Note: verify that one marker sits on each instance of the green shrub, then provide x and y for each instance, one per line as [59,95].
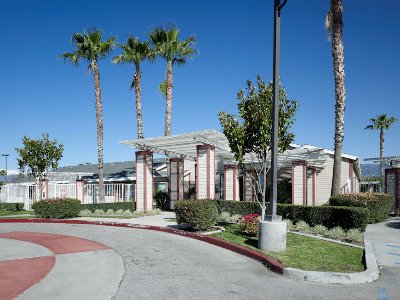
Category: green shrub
[127,212]
[302,226]
[197,214]
[153,212]
[110,212]
[113,205]
[16,206]
[335,233]
[162,199]
[379,205]
[59,208]
[226,217]
[354,235]
[329,216]
[98,212]
[137,213]
[319,229]
[249,224]
[290,225]
[119,212]
[85,213]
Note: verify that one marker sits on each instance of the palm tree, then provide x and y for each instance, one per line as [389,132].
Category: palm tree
[167,45]
[381,123]
[89,46]
[334,26]
[135,51]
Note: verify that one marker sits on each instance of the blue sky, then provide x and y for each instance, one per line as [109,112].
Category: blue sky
[39,93]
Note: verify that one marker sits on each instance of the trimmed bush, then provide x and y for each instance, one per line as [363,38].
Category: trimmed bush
[321,229]
[197,214]
[119,212]
[329,216]
[379,205]
[354,235]
[162,199]
[290,225]
[106,206]
[98,212]
[335,233]
[110,212]
[59,208]
[16,206]
[302,226]
[249,224]
[85,213]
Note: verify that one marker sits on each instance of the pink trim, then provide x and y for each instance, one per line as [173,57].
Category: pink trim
[145,182]
[234,184]
[292,183]
[272,263]
[314,175]
[196,179]
[208,173]
[214,172]
[136,181]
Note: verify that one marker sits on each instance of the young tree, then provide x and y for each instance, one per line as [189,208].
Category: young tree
[38,156]
[250,133]
[381,123]
[135,51]
[167,45]
[89,46]
[334,26]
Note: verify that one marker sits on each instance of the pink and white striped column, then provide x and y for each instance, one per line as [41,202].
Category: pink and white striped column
[80,190]
[299,182]
[249,187]
[144,180]
[231,182]
[205,172]
[176,184]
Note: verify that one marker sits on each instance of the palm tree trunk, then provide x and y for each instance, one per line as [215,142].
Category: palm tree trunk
[168,98]
[99,118]
[340,91]
[138,93]
[381,146]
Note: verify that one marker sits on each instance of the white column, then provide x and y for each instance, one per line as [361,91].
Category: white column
[249,188]
[299,182]
[176,181]
[231,182]
[79,190]
[205,172]
[144,180]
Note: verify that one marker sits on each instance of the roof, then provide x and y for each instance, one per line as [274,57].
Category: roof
[184,145]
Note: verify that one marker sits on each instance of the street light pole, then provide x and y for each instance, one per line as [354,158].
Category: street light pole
[275,110]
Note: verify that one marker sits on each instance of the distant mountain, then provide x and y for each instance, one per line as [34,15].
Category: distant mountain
[370,170]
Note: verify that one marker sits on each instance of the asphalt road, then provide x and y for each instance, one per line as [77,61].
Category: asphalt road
[165,266]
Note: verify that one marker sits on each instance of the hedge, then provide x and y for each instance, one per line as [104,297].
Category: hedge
[329,216]
[197,214]
[106,206]
[17,206]
[58,208]
[379,205]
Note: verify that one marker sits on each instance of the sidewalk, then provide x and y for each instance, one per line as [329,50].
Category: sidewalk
[165,219]
[385,239]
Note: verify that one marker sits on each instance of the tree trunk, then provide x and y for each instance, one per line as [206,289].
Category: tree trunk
[168,99]
[138,93]
[381,146]
[99,118]
[340,91]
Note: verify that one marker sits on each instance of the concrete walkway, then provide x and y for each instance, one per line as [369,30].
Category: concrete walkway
[385,238]
[165,219]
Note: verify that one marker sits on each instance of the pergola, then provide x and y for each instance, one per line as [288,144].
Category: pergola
[208,152]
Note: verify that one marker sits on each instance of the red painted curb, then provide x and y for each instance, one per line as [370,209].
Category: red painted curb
[270,262]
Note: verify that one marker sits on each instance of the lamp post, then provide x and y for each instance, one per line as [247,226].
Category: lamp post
[6,156]
[272,231]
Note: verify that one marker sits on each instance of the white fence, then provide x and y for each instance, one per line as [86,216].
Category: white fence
[86,193]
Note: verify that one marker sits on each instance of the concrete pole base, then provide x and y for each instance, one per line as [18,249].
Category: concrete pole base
[272,235]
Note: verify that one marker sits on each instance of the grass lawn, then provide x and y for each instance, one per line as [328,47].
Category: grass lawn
[15,213]
[305,253]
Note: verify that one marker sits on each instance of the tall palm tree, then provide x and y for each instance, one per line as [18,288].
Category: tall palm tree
[89,46]
[381,123]
[135,51]
[334,26]
[167,45]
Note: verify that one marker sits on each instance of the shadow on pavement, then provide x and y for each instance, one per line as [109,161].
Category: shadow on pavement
[395,224]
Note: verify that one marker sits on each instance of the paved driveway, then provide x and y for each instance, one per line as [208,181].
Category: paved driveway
[164,266]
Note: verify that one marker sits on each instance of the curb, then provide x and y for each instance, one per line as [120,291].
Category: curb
[270,262]
[369,275]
